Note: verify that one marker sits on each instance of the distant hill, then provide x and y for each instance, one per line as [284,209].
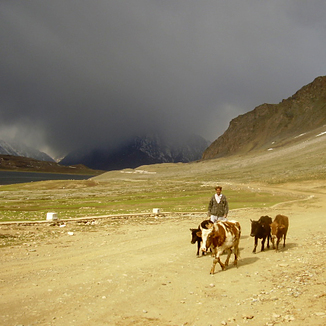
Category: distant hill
[150,149]
[17,149]
[20,163]
[274,125]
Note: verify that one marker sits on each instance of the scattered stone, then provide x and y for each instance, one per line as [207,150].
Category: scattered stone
[320,314]
[248,316]
[289,318]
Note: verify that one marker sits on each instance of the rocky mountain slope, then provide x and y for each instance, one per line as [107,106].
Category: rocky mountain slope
[20,163]
[274,125]
[149,149]
[17,149]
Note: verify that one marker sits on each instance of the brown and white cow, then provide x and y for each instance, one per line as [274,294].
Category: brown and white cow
[219,237]
[279,229]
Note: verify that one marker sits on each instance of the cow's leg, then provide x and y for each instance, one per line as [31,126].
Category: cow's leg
[236,254]
[263,243]
[268,237]
[229,252]
[256,241]
[273,242]
[284,240]
[277,243]
[198,247]
[217,260]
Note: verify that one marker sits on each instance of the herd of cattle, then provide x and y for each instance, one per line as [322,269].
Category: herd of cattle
[225,236]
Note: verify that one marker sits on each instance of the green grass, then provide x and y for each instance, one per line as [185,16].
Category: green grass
[70,199]
[180,187]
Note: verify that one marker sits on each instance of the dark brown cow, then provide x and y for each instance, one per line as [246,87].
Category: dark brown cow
[220,236]
[195,238]
[279,229]
[261,230]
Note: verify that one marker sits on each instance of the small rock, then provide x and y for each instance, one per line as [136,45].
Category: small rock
[289,318]
[320,314]
[248,316]
[283,265]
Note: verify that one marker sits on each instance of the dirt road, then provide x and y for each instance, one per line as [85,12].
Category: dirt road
[144,271]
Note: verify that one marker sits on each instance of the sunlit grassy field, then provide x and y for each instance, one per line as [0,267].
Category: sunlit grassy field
[171,187]
[71,199]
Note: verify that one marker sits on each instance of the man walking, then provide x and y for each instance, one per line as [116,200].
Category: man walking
[218,207]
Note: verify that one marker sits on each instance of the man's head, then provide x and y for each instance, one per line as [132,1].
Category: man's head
[218,190]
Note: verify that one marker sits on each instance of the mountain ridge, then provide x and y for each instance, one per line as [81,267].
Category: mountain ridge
[15,148]
[141,150]
[27,164]
[270,124]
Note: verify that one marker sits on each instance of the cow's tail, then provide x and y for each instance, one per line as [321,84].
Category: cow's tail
[238,249]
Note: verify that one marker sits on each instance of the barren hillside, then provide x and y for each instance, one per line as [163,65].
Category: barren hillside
[268,124]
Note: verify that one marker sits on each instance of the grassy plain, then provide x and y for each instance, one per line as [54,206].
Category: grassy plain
[142,269]
[170,187]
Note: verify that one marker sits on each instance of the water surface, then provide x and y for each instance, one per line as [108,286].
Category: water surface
[12,177]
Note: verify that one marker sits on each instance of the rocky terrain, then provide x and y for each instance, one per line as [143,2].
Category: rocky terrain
[15,148]
[151,148]
[274,125]
[142,270]
[20,163]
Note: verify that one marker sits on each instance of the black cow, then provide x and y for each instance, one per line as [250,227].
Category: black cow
[195,236]
[261,230]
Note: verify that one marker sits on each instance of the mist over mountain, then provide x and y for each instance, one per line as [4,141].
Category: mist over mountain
[149,149]
[267,127]
[274,125]
[18,149]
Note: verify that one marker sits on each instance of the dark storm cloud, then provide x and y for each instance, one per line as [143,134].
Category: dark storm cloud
[78,73]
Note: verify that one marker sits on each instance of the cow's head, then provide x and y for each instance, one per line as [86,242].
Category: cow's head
[276,228]
[206,228]
[254,228]
[194,235]
[265,221]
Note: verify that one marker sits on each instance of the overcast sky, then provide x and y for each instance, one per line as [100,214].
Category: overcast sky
[82,73]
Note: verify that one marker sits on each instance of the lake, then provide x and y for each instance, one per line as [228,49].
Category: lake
[11,177]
